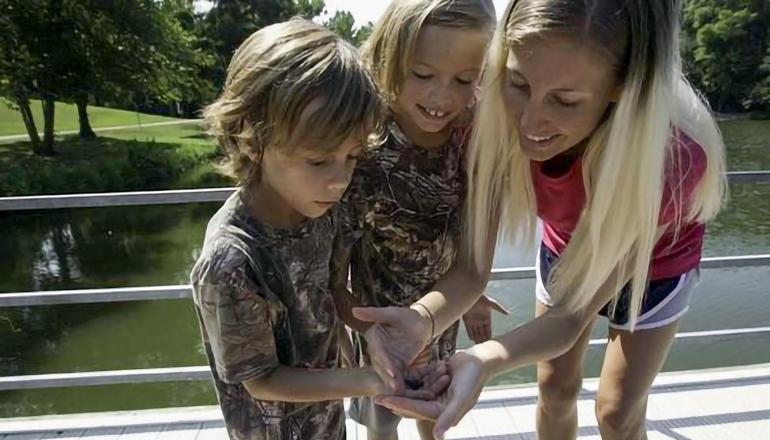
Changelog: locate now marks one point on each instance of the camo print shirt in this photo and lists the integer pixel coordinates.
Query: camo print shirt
(401, 222)
(263, 300)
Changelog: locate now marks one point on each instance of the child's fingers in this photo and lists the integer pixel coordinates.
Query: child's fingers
(438, 386)
(384, 364)
(495, 305)
(421, 394)
(477, 333)
(414, 409)
(485, 332)
(436, 373)
(423, 357)
(394, 380)
(426, 370)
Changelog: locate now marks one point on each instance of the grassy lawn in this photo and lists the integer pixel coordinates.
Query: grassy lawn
(66, 118)
(191, 134)
(146, 158)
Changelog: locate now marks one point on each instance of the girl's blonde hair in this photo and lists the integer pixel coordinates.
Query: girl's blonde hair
(272, 78)
(627, 155)
(389, 49)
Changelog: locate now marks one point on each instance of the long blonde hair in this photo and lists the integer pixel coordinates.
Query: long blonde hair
(272, 78)
(388, 50)
(626, 157)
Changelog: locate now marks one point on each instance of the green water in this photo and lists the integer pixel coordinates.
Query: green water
(144, 246)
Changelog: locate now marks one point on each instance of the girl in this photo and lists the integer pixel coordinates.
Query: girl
(296, 111)
(402, 212)
(586, 122)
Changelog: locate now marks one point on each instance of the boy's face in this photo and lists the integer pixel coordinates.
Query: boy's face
(306, 181)
(442, 78)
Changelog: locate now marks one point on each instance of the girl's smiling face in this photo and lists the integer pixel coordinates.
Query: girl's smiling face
(441, 80)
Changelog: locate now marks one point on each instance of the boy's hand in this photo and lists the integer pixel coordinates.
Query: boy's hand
(478, 320)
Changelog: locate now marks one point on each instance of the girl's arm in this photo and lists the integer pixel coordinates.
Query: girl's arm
(401, 333)
(455, 292)
(460, 287)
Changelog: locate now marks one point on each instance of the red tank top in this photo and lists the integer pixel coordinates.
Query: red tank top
(560, 201)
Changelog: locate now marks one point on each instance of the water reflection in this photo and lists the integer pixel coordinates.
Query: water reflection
(156, 245)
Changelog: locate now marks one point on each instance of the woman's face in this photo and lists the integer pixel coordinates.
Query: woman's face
(556, 93)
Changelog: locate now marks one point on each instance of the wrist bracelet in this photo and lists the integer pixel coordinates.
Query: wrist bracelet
(432, 320)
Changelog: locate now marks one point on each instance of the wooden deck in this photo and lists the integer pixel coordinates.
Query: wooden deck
(721, 404)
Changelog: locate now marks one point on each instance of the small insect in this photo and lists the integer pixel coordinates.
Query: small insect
(414, 384)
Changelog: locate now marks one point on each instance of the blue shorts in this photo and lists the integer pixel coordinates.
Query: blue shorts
(665, 301)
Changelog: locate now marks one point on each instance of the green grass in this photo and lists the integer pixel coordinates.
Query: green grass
(183, 133)
(66, 118)
(147, 158)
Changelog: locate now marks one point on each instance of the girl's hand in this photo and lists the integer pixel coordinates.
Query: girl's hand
(395, 340)
(478, 320)
(467, 379)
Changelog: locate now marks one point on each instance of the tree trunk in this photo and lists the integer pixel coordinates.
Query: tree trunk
(85, 125)
(22, 100)
(46, 149)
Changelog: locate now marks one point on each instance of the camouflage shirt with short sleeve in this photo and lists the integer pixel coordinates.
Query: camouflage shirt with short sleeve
(263, 300)
(401, 222)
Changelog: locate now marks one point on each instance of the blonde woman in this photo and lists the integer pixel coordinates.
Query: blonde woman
(586, 122)
(297, 109)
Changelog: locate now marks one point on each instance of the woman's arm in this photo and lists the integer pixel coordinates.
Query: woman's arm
(546, 337)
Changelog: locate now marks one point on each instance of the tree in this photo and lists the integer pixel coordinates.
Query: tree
(114, 50)
(230, 22)
(19, 65)
(133, 51)
(343, 23)
(724, 42)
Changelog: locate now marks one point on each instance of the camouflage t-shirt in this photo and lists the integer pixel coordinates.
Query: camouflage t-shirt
(401, 222)
(263, 300)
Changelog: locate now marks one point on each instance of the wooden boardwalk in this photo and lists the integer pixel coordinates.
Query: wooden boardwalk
(720, 404)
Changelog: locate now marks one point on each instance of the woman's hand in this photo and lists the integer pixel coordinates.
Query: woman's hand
(448, 408)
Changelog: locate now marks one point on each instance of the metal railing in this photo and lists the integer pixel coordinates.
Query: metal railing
(96, 200)
(203, 373)
(95, 378)
(122, 294)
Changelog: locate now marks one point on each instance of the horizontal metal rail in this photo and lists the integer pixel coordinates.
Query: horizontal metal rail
(114, 377)
(169, 197)
(83, 296)
(748, 176)
(203, 373)
(99, 200)
(86, 296)
(523, 273)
